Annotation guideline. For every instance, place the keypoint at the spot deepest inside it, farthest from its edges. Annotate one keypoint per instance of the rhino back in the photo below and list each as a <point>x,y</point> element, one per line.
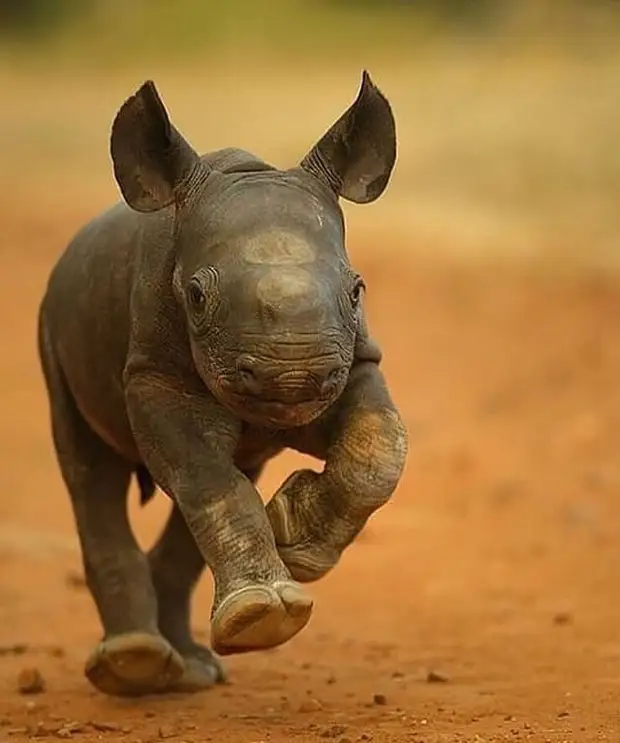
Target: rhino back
<point>87,316</point>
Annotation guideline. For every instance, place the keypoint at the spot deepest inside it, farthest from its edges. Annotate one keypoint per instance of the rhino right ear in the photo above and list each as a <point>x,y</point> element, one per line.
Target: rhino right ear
<point>151,158</point>
<point>356,156</point>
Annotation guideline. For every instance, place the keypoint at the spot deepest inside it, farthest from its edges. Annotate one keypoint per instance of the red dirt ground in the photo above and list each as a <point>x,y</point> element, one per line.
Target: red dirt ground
<point>496,565</point>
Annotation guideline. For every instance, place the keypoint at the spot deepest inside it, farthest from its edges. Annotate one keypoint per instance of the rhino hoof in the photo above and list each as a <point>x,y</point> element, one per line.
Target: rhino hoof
<point>202,671</point>
<point>259,617</point>
<point>134,664</point>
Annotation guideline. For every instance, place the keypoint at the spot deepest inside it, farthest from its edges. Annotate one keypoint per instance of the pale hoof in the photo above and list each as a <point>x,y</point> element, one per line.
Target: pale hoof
<point>134,664</point>
<point>259,617</point>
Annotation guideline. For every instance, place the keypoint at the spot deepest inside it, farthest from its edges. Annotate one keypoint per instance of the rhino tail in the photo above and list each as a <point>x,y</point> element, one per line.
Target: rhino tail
<point>146,484</point>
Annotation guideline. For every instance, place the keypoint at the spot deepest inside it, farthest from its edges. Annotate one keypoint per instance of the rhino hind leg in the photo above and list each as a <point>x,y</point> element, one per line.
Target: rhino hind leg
<point>132,658</point>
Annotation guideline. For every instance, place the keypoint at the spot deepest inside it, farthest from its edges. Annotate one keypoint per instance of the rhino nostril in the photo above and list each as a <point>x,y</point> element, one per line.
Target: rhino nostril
<point>248,379</point>
<point>330,382</point>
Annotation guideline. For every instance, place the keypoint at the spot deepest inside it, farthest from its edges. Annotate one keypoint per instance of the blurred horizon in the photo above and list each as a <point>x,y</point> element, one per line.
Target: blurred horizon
<point>507,111</point>
<point>104,33</point>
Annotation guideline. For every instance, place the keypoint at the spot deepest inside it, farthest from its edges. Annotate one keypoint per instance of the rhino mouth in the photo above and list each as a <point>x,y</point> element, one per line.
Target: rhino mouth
<point>288,399</point>
<point>278,413</point>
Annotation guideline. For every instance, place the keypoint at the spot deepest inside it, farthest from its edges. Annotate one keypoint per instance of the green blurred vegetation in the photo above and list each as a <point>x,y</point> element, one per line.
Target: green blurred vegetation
<point>117,30</point>
<point>34,16</point>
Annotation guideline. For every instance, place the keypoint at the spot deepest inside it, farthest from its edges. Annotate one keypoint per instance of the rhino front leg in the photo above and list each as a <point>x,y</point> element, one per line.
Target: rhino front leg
<point>188,442</point>
<point>315,516</point>
<point>176,566</point>
<point>132,657</point>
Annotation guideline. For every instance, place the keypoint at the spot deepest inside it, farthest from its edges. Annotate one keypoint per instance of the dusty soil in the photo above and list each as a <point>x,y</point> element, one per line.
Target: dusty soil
<point>479,605</point>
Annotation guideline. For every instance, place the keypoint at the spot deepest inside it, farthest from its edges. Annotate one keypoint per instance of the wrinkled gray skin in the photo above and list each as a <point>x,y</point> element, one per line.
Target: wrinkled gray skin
<point>187,336</point>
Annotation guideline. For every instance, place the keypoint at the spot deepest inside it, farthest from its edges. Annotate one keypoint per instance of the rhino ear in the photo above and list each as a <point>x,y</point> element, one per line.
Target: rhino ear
<point>151,158</point>
<point>355,157</point>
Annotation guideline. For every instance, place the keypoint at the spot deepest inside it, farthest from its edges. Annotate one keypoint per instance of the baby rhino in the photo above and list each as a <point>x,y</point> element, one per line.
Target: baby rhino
<point>187,336</point>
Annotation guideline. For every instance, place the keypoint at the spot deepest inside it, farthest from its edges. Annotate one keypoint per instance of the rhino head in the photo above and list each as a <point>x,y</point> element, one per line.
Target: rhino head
<point>272,304</point>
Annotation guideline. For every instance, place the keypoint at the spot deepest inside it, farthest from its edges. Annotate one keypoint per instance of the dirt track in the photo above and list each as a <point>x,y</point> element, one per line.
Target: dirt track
<point>495,566</point>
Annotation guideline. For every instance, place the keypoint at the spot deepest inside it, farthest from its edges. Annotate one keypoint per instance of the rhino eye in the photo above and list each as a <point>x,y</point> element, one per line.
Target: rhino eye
<point>356,291</point>
<point>196,296</point>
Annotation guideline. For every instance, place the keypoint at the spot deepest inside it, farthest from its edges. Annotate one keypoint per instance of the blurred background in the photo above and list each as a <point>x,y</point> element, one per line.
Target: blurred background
<point>491,263</point>
<point>507,110</point>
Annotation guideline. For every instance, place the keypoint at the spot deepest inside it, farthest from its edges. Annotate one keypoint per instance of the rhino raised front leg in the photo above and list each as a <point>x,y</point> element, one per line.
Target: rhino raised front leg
<point>315,516</point>
<point>132,658</point>
<point>188,443</point>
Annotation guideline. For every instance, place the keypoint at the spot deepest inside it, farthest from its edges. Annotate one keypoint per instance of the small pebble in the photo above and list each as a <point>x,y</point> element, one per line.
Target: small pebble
<point>310,705</point>
<point>380,699</point>
<point>436,678</point>
<point>105,727</point>
<point>69,729</point>
<point>562,617</point>
<point>30,681</point>
<point>167,731</point>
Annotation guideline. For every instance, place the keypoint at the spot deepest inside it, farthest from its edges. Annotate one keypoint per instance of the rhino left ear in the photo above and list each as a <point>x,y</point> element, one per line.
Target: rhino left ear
<point>355,157</point>
<point>151,158</point>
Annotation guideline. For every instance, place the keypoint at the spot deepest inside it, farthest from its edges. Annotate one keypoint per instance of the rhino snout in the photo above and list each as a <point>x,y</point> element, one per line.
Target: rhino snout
<point>316,380</point>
